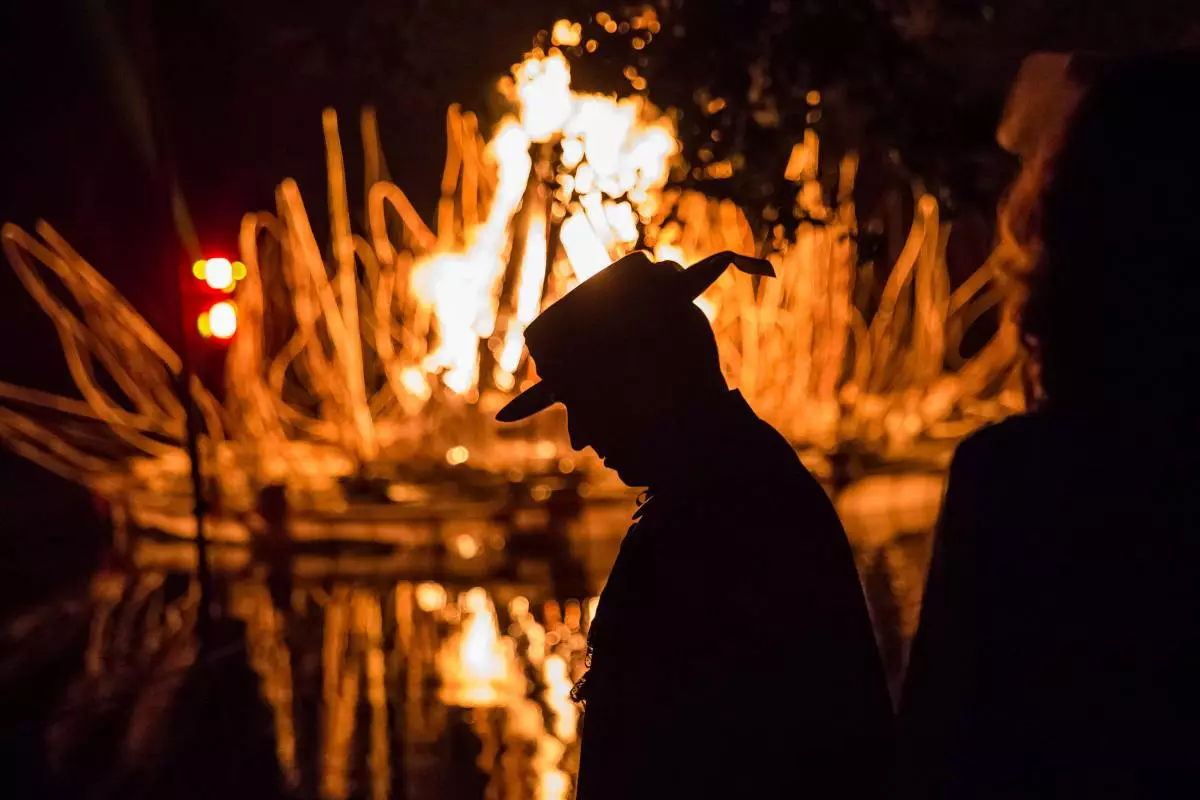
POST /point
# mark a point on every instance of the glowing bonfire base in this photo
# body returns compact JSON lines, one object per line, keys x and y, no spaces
{"x":372,"y":380}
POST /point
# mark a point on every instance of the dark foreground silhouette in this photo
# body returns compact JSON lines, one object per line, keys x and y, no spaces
{"x":736,"y":544}
{"x":1059,"y":643}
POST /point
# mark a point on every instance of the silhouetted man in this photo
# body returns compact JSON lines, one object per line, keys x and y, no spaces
{"x":731,"y":653}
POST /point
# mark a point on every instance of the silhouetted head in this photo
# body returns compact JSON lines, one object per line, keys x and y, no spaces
{"x":631,"y":357}
{"x":626,"y":414}
{"x":1112,"y":305}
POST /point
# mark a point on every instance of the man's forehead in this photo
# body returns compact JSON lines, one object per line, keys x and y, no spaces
{"x":582,"y":388}
{"x":587,"y":389}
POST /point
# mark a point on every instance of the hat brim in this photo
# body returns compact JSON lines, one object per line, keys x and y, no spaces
{"x":529,"y":402}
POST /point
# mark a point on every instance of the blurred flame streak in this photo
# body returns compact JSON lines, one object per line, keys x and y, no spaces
{"x":270,"y":658}
{"x":558,"y":698}
{"x":341,"y":682}
{"x":353,"y":655}
{"x":803,"y":161}
{"x":461,"y":288}
{"x":529,"y":293}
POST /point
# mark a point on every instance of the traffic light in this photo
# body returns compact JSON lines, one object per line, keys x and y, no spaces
{"x":219,"y":319}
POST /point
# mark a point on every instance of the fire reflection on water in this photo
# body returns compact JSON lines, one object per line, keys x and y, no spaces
{"x":399,"y":664}
{"x":381,"y":686}
{"x":370,"y":689}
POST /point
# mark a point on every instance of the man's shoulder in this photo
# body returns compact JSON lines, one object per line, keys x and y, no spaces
{"x":760,"y":495}
{"x":782,"y":472}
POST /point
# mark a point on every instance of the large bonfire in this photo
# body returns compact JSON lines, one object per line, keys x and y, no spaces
{"x":392,"y":347}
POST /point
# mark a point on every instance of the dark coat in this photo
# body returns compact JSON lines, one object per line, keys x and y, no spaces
{"x":1059,"y":643}
{"x":731,"y":653}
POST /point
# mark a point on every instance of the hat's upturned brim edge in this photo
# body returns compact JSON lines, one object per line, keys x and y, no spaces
{"x":529,"y":402}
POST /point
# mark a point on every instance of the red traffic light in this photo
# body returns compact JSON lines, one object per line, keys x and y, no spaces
{"x":220,"y":321}
{"x":220,"y":274}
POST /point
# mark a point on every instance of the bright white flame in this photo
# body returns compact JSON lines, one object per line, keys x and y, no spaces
{"x":616,"y":147}
{"x":584,"y":250}
{"x":529,"y":294}
{"x":553,"y":785}
{"x":461,"y":288}
{"x":544,"y":89}
{"x":572,"y":153}
{"x":621,"y":220}
{"x":626,"y":142}
{"x":668,"y":252}
{"x":413,"y":381}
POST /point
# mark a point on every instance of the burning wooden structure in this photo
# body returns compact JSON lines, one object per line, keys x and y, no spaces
{"x":382,"y":364}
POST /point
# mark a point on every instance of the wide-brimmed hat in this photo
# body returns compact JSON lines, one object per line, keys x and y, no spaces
{"x":609,"y":317}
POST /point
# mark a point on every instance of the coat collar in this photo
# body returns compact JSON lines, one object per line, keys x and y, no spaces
{"x":706,"y":461}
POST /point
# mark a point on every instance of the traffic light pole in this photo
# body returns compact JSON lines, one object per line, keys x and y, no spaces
{"x":139,"y":86}
{"x":204,"y":619}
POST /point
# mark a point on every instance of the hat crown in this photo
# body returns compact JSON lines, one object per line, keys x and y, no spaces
{"x":606,"y":320}
{"x":630,"y":298}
